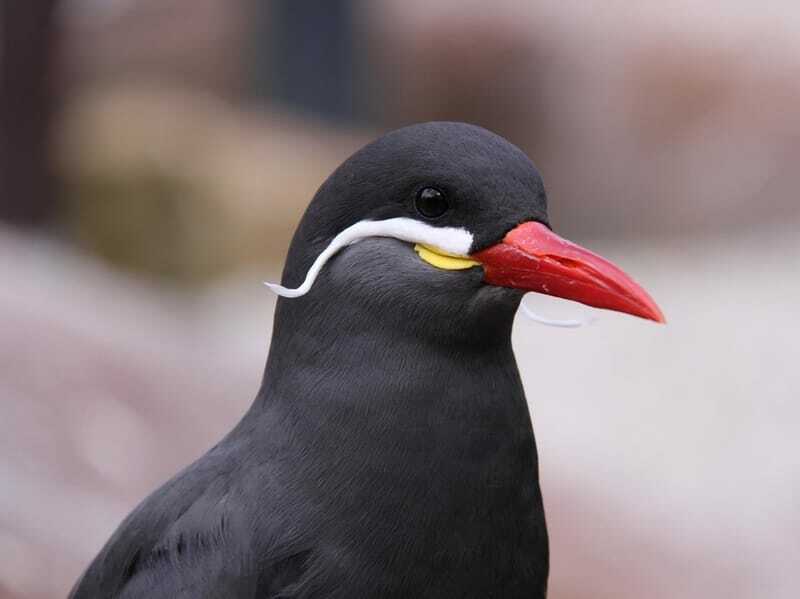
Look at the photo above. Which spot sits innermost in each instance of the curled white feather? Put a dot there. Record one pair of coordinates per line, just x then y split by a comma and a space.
449, 239
568, 323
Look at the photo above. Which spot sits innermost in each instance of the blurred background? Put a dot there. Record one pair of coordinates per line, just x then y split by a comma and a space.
156, 155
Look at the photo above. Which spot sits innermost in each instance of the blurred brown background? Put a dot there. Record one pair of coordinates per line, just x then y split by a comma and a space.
155, 156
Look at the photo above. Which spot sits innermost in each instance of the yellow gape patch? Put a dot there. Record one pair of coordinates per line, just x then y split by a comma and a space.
444, 260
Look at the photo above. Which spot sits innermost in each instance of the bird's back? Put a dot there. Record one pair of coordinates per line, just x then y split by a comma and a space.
193, 537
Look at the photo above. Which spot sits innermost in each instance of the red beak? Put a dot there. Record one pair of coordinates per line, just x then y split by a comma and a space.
533, 258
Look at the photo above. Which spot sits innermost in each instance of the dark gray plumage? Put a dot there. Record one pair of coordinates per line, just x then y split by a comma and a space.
389, 452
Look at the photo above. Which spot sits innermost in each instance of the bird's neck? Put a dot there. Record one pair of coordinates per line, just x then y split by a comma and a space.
372, 378
423, 441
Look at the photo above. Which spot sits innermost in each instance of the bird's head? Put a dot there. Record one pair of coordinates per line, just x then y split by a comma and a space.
445, 218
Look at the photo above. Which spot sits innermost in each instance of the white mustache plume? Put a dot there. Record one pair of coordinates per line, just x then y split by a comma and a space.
450, 239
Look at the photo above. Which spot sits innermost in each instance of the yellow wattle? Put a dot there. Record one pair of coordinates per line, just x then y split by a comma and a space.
442, 259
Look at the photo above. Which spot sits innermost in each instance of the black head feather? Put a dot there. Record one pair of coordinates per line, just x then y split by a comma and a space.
490, 184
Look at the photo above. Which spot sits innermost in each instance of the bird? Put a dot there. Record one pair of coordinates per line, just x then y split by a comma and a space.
389, 451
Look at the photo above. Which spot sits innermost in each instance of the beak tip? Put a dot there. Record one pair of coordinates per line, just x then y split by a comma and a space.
654, 313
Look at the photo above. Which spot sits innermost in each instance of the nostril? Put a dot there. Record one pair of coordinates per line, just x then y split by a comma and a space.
567, 262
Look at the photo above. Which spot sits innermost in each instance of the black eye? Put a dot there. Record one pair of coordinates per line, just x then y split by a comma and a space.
431, 203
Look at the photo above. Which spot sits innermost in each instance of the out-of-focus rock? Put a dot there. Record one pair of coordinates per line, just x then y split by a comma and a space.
182, 185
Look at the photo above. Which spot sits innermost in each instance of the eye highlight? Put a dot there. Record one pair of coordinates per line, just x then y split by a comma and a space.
431, 203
